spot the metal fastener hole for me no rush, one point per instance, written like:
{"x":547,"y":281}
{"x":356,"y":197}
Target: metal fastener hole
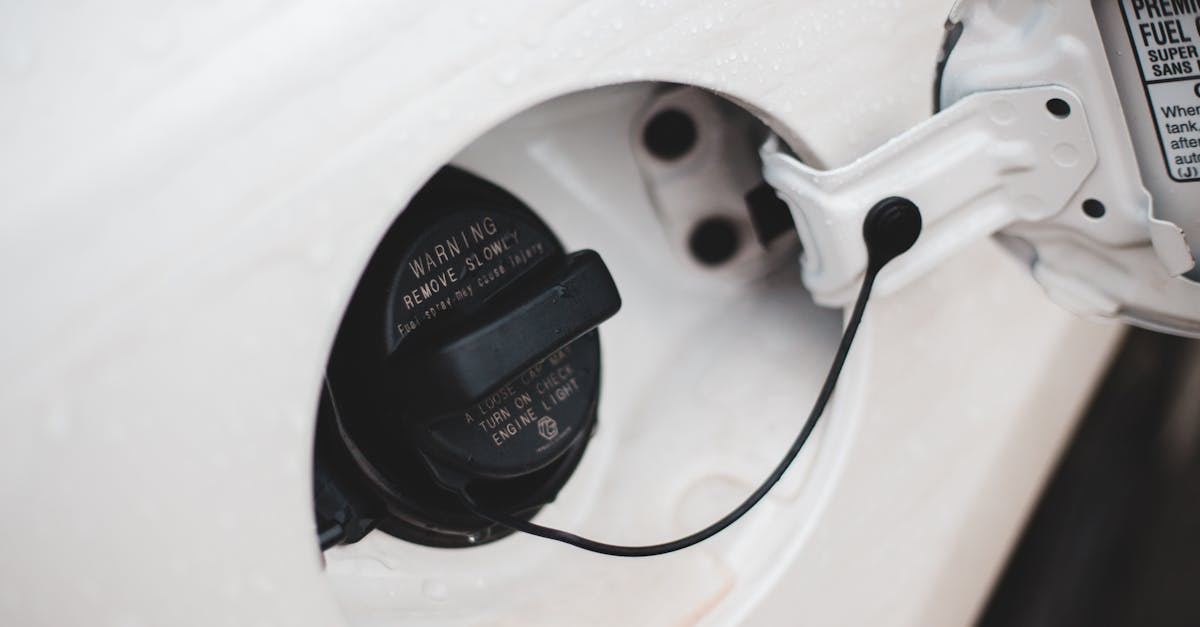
{"x":670,"y":134}
{"x":1093,"y":208}
{"x":1058,"y":107}
{"x":714,"y":241}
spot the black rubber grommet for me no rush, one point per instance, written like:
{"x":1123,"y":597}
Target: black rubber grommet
{"x":891,"y":227}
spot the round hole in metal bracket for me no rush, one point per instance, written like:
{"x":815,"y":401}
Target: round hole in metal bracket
{"x":1093,"y":208}
{"x":669,"y":134}
{"x":714,"y":241}
{"x":1058,"y":108}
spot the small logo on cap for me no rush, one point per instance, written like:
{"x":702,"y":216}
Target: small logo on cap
{"x":548,"y":428}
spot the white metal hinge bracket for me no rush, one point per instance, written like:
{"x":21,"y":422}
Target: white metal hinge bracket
{"x":991,"y":159}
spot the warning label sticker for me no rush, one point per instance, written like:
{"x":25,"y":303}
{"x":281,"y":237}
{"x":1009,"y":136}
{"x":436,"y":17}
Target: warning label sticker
{"x":1166,"y":37}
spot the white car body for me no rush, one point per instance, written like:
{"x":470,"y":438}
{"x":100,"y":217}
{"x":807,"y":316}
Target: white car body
{"x":188,"y":194}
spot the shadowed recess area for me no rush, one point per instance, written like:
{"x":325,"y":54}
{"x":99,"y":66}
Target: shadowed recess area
{"x":1113,"y":541}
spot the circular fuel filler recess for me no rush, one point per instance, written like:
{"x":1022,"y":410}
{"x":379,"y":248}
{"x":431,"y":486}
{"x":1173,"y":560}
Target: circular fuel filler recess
{"x":468,"y":359}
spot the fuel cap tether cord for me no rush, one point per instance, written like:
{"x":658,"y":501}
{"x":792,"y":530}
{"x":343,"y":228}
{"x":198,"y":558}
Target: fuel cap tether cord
{"x":890,"y":228}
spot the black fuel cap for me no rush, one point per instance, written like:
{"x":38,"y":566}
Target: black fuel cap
{"x":469,"y":354}
{"x":507,"y":390}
